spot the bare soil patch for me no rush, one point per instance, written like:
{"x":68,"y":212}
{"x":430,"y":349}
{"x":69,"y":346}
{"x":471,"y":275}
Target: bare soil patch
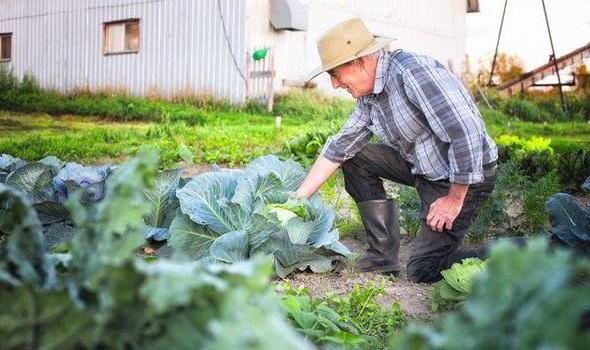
{"x":412,"y":297}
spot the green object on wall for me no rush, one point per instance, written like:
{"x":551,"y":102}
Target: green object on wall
{"x":259,"y":54}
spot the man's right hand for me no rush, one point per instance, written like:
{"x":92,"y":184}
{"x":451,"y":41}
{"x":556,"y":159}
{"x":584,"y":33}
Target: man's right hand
{"x":320,"y":172}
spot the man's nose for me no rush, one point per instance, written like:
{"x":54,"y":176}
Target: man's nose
{"x":335,"y":82}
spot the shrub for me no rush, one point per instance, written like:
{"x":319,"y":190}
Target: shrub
{"x":525,"y":110}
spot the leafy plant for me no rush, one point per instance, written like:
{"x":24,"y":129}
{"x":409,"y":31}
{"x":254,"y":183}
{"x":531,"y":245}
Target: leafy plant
{"x":529,"y":298}
{"x":315,"y":319}
{"x":570,"y":221}
{"x":408,"y":202}
{"x":456,"y":285}
{"x":305,"y":148}
{"x":101,"y":296}
{"x":374,"y":320}
{"x":515,"y":207}
{"x":354,"y":320}
{"x":224,"y":216}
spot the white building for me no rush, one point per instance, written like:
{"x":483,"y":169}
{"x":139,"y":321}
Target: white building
{"x":171,"y":47}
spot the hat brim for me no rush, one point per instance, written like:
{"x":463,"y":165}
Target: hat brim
{"x":377,"y":44}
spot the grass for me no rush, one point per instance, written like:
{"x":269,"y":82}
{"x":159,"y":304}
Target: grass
{"x":562,"y":134}
{"x":230,"y":138}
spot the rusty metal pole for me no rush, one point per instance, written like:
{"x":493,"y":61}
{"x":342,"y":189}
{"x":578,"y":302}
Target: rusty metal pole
{"x":563,"y":104}
{"x":497,"y":44}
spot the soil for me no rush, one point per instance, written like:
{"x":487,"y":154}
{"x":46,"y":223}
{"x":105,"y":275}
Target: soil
{"x":412,"y":297}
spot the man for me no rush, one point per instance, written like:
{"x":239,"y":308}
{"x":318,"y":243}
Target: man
{"x":432,"y":137}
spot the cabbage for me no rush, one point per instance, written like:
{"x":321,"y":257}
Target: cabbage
{"x":230,"y":216}
{"x":456,"y":284}
{"x":288,"y":210}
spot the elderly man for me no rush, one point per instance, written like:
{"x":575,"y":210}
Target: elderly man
{"x":432,"y":137}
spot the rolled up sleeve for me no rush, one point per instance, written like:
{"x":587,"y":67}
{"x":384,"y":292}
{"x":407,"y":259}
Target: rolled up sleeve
{"x":352,"y":138}
{"x":452,"y":116}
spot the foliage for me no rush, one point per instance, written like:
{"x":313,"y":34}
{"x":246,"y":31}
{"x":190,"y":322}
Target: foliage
{"x":535,"y":194}
{"x":26,"y":96}
{"x":224,"y":216}
{"x":537,"y":156}
{"x":408,"y":202}
{"x":516,"y":206}
{"x":311,"y":106}
{"x":456,"y":285}
{"x":354,"y":320}
{"x":526,"y":110}
{"x":507,"y":68}
{"x":316,"y":320}
{"x":361,"y":306}
{"x":528,"y":298}
{"x":100,"y":296}
{"x":305,"y":148}
{"x":570,"y":221}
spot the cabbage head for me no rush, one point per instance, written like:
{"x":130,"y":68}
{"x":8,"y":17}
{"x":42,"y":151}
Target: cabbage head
{"x":232,"y":215}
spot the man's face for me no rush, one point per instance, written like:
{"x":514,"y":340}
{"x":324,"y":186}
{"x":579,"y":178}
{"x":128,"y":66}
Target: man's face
{"x":352,"y":77}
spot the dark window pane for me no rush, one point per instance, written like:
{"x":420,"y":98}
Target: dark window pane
{"x":6,"y":47}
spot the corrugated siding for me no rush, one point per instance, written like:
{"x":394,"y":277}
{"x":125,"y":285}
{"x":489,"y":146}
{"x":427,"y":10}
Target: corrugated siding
{"x":182,"y":45}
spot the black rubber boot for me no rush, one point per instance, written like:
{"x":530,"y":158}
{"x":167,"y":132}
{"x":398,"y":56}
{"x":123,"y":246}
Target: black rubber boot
{"x":381,"y":220}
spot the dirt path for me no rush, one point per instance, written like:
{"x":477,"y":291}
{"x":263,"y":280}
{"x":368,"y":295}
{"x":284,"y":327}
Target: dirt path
{"x":412,"y":297}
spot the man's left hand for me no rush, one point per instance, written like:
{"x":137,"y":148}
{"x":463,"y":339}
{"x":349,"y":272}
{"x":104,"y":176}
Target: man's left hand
{"x":443,"y":211}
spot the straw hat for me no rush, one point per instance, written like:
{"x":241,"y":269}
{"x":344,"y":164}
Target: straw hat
{"x":345,"y":42}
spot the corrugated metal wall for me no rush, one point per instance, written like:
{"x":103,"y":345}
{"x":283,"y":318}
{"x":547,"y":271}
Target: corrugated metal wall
{"x":182,"y":45}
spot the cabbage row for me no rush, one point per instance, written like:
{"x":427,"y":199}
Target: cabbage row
{"x":100,"y":295}
{"x":221,"y":216}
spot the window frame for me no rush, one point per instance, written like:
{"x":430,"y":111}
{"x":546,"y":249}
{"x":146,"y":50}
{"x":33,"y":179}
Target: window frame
{"x":105,"y":37}
{"x":2,"y":35}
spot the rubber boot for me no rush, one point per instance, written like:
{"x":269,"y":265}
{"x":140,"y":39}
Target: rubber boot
{"x":381,"y":221}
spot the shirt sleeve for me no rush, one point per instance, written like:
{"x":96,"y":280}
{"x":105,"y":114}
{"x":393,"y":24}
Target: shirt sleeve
{"x":453,"y":117}
{"x":352,"y":138}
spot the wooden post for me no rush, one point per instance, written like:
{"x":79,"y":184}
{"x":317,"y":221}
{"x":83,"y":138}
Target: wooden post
{"x":271,"y":78}
{"x":248,"y":78}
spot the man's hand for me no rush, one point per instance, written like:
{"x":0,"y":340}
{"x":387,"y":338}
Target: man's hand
{"x":321,"y":170}
{"x":443,"y":211}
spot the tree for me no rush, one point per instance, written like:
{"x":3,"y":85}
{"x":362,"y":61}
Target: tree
{"x":583,"y":77}
{"x":507,"y":67}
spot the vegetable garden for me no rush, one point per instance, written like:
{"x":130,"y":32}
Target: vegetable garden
{"x":106,"y":242}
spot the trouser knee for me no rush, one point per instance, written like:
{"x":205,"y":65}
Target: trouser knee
{"x":423,"y":270}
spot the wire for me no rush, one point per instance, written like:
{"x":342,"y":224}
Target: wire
{"x":228,"y":42}
{"x":490,"y":82}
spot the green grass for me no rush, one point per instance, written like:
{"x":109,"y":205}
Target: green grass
{"x":562,"y":134}
{"x":226,"y":138}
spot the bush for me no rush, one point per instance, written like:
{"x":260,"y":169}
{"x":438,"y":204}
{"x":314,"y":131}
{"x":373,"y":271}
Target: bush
{"x":538,"y":156}
{"x":525,"y":110}
{"x":545,"y":107}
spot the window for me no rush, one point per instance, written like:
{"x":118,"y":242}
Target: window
{"x":5,"y":47}
{"x":121,"y":37}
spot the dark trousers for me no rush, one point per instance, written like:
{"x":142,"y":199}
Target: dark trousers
{"x":431,"y":251}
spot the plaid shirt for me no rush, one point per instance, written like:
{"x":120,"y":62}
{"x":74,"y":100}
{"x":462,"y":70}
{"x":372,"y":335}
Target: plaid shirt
{"x":419,"y":108}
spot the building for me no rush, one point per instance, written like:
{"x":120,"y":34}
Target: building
{"x":172,"y":47}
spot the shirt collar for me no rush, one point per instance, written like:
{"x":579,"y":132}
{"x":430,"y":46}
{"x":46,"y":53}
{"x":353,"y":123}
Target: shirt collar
{"x":380,"y":72}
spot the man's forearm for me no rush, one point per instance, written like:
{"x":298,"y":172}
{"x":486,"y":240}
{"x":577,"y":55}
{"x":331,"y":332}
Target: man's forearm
{"x":458,"y":191}
{"x":320,"y":172}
